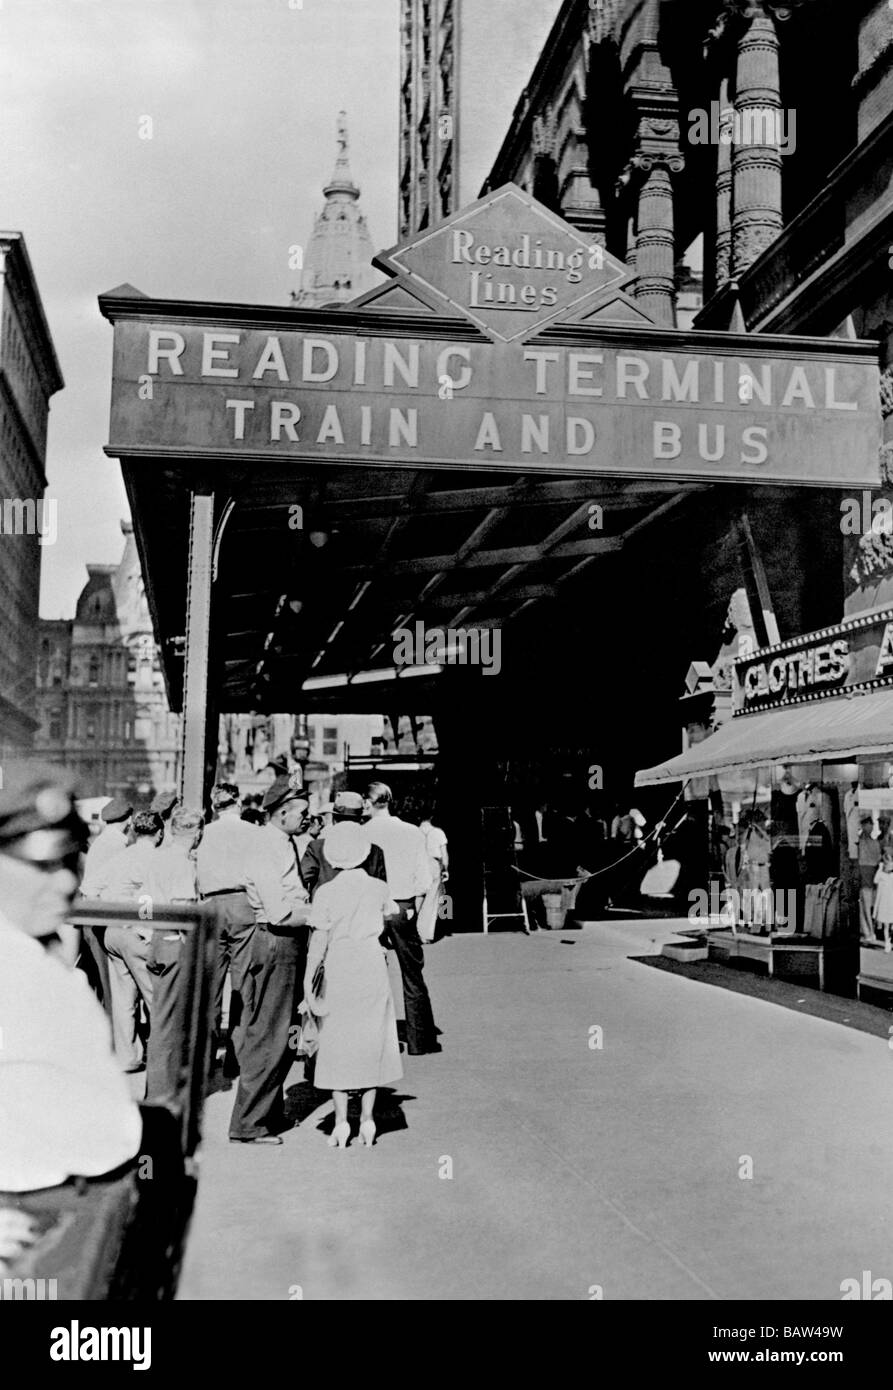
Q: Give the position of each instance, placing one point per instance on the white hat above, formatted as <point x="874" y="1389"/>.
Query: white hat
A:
<point x="346" y="846"/>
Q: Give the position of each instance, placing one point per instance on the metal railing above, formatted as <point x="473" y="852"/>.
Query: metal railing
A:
<point x="195" y="992"/>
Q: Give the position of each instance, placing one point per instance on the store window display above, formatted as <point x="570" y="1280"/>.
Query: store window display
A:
<point x="776" y="847"/>
<point x="883" y="896"/>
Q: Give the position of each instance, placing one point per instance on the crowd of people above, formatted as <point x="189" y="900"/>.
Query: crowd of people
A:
<point x="306" y="908"/>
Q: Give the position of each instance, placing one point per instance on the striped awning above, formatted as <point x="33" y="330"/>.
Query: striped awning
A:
<point x="835" y="728"/>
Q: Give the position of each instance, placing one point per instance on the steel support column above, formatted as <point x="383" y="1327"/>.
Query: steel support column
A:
<point x="194" y="728"/>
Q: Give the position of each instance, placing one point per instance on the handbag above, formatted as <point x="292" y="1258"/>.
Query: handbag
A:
<point x="307" y="1044"/>
<point x="318" y="983"/>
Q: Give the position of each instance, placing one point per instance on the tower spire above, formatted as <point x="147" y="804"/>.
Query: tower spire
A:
<point x="338" y="261"/>
<point x="342" y="179"/>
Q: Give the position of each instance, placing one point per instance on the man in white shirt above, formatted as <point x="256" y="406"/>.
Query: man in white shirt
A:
<point x="169" y="878"/>
<point x="409" y="878"/>
<point x="117" y="816"/>
<point x="64" y="1104"/>
<point x="120" y="879"/>
<point x="275" y="972"/>
<point x="221" y="858"/>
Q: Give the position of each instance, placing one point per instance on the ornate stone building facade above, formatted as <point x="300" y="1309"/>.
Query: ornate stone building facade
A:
<point x="753" y="140"/>
<point x="29" y="376"/>
<point x="337" y="265"/>
<point x="101" y="701"/>
<point x="759" y="129"/>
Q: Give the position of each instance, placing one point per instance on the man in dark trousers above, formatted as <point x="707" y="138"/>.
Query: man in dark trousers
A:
<point x="220" y="857"/>
<point x="315" y="867"/>
<point x="117" y="816"/>
<point x="408" y="878"/>
<point x="275" y="970"/>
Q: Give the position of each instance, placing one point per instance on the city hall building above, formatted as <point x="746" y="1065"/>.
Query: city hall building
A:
<point x="511" y="435"/>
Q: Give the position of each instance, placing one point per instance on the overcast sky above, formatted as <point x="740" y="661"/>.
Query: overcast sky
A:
<point x="243" y="97"/>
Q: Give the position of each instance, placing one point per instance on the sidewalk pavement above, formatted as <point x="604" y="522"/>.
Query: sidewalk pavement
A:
<point x="527" y="1162"/>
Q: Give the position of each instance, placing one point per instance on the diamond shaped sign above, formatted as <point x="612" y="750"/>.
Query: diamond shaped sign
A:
<point x="507" y="263"/>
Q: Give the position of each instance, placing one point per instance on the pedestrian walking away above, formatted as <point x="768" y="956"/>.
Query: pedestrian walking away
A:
<point x="358" y="1048"/>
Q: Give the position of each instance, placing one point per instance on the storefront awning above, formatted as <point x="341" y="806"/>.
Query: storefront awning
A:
<point x="835" y="728"/>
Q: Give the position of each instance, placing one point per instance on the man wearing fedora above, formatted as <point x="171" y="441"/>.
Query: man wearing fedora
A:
<point x="316" y="868"/>
<point x="275" y="971"/>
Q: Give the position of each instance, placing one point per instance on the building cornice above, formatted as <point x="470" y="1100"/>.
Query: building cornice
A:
<point x="370" y="322"/>
<point x="16" y="269"/>
<point x="569" y="30"/>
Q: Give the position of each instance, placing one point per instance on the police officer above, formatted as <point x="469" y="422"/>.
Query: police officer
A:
<point x="65" y="1104"/>
<point x="275" y="971"/>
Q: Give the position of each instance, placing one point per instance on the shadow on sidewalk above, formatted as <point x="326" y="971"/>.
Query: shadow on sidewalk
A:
<point x="801" y="999"/>
<point x="303" y="1099"/>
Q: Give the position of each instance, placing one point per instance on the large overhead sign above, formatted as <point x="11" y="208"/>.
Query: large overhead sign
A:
<point x="561" y="372"/>
<point x="856" y="655"/>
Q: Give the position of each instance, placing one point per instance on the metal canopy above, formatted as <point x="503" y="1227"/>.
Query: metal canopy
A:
<point x="842" y="727"/>
<point x="375" y="551"/>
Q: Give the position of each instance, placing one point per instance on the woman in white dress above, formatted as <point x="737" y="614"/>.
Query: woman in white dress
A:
<point x="358" y="1048"/>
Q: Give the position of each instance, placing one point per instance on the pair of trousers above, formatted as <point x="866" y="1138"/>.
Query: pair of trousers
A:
<point x="235" y="927"/>
<point x="96" y="965"/>
<point x="130" y="981"/>
<point x="164" y="1051"/>
<point x="402" y="934"/>
<point x="272" y="988"/>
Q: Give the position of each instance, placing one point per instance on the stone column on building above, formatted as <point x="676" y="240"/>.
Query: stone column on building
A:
<point x="756" y="158"/>
<point x="655" y="225"/>
<point x="723" y="249"/>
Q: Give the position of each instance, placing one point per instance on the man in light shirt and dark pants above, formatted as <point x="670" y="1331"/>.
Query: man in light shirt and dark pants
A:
<point x="275" y="973"/>
<point x="409" y="878"/>
<point x="220" y="859"/>
<point x="169" y="878"/>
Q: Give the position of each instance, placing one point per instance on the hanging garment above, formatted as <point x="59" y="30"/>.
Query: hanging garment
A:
<point x="853" y="824"/>
<point x="813" y="804"/>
